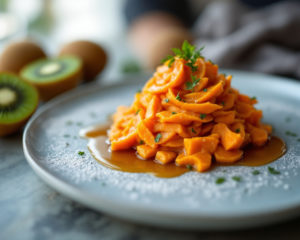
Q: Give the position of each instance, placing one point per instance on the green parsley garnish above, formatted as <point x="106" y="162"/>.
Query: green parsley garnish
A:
<point x="173" y="113"/>
<point x="79" y="123"/>
<point x="187" y="52"/>
<point x="253" y="98"/>
<point x="69" y="122"/>
<point x="220" y="180"/>
<point x="292" y="134"/>
<point x="66" y="135"/>
<point x="192" y="84"/>
<point x="211" y="61"/>
<point x="130" y="66"/>
<point x="189" y="167"/>
<point x="166" y="100"/>
<point x="223" y="103"/>
<point x="142" y="142"/>
<point x="205" y="90"/>
<point x="178" y="97"/>
<point x="202" y="115"/>
<point x="255" y="172"/>
<point x="81" y="153"/>
<point x="193" y="130"/>
<point x="237" y="178"/>
<point x="137" y="111"/>
<point x="298" y="140"/>
<point x="273" y="171"/>
<point x="158" y="137"/>
<point x="139" y="91"/>
<point x="237" y="130"/>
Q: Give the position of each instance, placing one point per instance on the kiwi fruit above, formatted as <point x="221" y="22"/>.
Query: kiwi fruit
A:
<point x="53" y="76"/>
<point x="92" y="55"/>
<point x="18" y="101"/>
<point x="16" y="55"/>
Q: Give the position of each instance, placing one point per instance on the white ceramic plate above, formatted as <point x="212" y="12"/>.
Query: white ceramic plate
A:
<point x="191" y="201"/>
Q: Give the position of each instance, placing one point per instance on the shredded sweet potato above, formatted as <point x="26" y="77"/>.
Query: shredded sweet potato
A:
<point x="189" y="114"/>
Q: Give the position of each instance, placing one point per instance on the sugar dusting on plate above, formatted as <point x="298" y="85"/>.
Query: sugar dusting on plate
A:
<point x="193" y="188"/>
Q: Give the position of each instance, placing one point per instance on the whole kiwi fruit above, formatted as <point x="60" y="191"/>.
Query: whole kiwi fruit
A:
<point x="18" y="101"/>
<point x="92" y="55"/>
<point x="18" y="54"/>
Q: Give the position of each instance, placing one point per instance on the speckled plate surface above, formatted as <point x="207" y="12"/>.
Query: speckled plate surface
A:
<point x="191" y="201"/>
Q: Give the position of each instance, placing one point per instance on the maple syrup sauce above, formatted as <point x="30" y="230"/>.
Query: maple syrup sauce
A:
<point x="128" y="161"/>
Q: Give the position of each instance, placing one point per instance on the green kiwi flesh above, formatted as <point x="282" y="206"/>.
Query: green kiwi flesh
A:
<point x="51" y="70"/>
<point x="18" y="99"/>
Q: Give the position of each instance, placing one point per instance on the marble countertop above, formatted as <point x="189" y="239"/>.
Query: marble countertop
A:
<point x="29" y="209"/>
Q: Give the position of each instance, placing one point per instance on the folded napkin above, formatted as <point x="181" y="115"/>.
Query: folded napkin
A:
<point x="264" y="40"/>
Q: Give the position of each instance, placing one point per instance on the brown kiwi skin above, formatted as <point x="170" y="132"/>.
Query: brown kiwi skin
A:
<point x="7" y="129"/>
<point x="18" y="54"/>
<point x="93" y="56"/>
<point x="48" y="90"/>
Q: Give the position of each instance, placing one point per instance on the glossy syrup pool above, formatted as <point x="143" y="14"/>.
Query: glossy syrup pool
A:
<point x="128" y="161"/>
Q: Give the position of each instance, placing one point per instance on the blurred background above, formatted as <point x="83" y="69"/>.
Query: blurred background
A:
<point x="261" y="36"/>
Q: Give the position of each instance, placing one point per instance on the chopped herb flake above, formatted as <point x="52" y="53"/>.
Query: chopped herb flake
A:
<point x="81" y="153"/>
<point x="205" y="90"/>
<point x="193" y="130"/>
<point x="220" y="180"/>
<point x="202" y="115"/>
<point x="137" y="111"/>
<point x="193" y="83"/>
<point x="255" y="172"/>
<point x="69" y="122"/>
<point x="189" y="167"/>
<point x="142" y="142"/>
<point x="237" y="178"/>
<point x="298" y="140"/>
<point x="139" y="91"/>
<point x="158" y="137"/>
<point x="173" y="113"/>
<point x="273" y="171"/>
<point x="237" y="130"/>
<point x="288" y="119"/>
<point x="253" y="98"/>
<point x="223" y="103"/>
<point x="66" y="135"/>
<point x="292" y="134"/>
<point x="178" y="97"/>
<point x="166" y="100"/>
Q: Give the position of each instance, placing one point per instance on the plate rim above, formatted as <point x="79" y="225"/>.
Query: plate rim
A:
<point x="112" y="207"/>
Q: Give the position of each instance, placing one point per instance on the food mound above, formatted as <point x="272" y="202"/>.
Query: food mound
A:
<point x="189" y="114"/>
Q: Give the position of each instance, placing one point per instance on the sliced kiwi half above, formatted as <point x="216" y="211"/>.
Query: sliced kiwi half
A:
<point x="18" y="100"/>
<point x="53" y="76"/>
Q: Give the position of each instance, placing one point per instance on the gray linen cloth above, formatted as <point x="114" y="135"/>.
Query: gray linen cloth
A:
<point x="264" y="40"/>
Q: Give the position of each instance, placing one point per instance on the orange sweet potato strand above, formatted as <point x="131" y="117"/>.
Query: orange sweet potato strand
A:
<point x="146" y="135"/>
<point x="197" y="123"/>
<point x="200" y="97"/>
<point x="198" y="144"/>
<point x="229" y="139"/>
<point x="223" y="156"/>
<point x="175" y="78"/>
<point x="165" y="157"/>
<point x="146" y="151"/>
<point x="205" y="108"/>
<point x="201" y="161"/>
